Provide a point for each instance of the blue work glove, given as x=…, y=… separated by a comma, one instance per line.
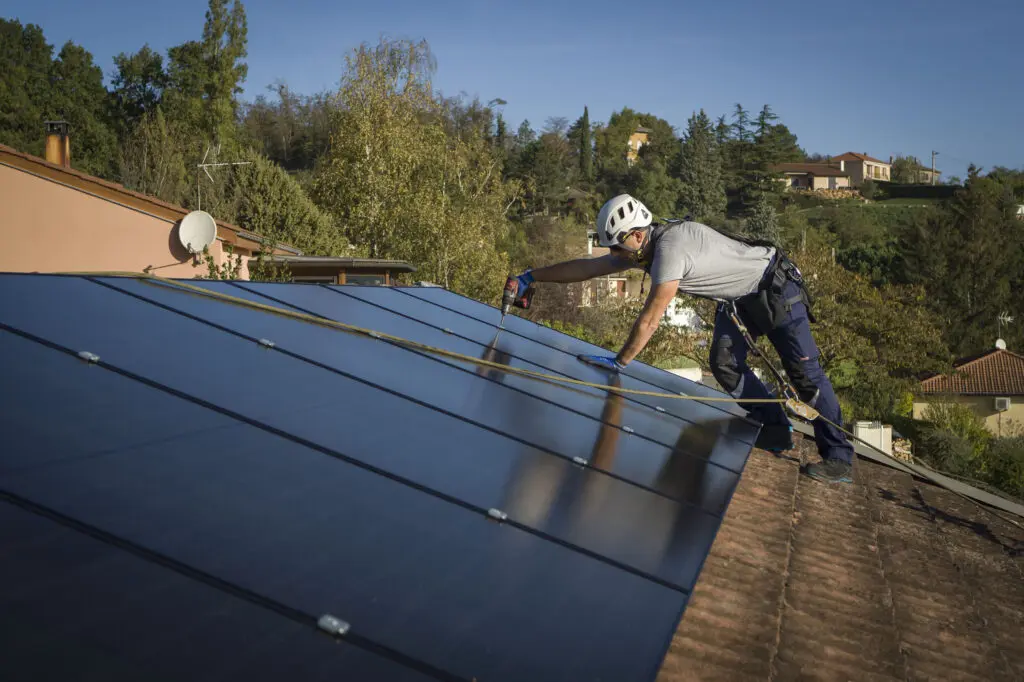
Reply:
x=523, y=281
x=602, y=362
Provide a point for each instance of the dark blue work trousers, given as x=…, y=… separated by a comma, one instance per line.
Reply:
x=791, y=337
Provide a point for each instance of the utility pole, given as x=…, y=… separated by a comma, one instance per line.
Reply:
x=933, y=166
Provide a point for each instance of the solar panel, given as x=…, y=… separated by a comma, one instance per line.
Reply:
x=467, y=523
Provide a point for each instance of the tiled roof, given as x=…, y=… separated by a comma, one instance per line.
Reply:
x=887, y=579
x=820, y=169
x=854, y=156
x=998, y=372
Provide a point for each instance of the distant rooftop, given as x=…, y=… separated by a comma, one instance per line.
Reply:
x=997, y=372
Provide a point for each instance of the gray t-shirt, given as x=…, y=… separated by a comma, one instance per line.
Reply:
x=707, y=263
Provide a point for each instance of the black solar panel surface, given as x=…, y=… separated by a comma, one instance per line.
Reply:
x=343, y=474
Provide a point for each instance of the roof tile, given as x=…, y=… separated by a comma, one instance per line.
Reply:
x=998, y=372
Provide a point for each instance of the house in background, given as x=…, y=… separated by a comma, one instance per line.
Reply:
x=54, y=218
x=862, y=166
x=814, y=176
x=990, y=384
x=638, y=139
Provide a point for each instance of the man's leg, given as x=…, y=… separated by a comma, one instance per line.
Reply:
x=799, y=353
x=729, y=366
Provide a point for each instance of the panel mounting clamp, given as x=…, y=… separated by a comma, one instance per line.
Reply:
x=659, y=408
x=628, y=429
x=579, y=460
x=332, y=625
x=373, y=334
x=497, y=514
x=267, y=343
x=89, y=357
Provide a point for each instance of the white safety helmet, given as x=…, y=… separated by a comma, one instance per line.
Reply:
x=618, y=216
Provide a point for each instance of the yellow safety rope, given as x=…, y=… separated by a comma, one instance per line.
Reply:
x=552, y=378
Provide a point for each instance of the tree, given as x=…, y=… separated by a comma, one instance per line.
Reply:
x=138, y=87
x=77, y=96
x=702, y=194
x=151, y=160
x=270, y=203
x=763, y=222
x=25, y=61
x=586, y=150
x=906, y=170
x=967, y=254
x=401, y=186
x=205, y=76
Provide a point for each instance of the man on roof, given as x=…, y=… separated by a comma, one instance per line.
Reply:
x=769, y=298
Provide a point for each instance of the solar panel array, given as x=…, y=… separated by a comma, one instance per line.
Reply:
x=190, y=488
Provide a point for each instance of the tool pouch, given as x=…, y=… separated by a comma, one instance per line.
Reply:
x=769, y=307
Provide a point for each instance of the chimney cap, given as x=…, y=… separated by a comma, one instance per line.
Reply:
x=60, y=127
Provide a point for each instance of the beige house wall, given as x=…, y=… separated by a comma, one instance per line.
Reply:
x=998, y=423
x=46, y=226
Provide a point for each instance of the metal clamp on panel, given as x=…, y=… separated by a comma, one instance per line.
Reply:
x=579, y=460
x=659, y=408
x=628, y=429
x=89, y=357
x=373, y=334
x=332, y=625
x=267, y=343
x=497, y=514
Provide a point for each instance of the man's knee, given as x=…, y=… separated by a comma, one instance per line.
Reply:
x=806, y=376
x=724, y=366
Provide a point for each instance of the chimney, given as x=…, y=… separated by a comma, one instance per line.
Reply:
x=58, y=143
x=842, y=165
x=890, y=159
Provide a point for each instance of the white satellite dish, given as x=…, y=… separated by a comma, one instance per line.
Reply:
x=197, y=231
x=1000, y=344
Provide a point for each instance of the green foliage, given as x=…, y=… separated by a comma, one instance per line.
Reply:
x=702, y=194
x=228, y=270
x=151, y=159
x=967, y=254
x=35, y=87
x=867, y=188
x=205, y=76
x=401, y=186
x=1004, y=466
x=138, y=88
x=586, y=148
x=763, y=222
x=269, y=202
x=961, y=421
x=25, y=62
x=293, y=131
x=946, y=451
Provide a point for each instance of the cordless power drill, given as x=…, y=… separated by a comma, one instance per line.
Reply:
x=512, y=297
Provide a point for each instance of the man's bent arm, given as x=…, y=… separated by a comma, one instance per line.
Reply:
x=649, y=319
x=581, y=269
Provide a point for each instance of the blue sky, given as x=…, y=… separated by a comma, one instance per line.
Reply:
x=886, y=78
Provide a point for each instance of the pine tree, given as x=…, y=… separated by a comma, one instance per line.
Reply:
x=764, y=222
x=703, y=191
x=586, y=152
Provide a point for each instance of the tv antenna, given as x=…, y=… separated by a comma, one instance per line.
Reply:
x=205, y=167
x=1004, y=320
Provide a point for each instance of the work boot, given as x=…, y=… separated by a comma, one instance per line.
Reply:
x=831, y=470
x=775, y=438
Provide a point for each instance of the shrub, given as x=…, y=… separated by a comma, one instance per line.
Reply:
x=947, y=451
x=867, y=189
x=1004, y=464
x=961, y=421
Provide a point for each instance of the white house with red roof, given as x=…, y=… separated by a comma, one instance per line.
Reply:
x=861, y=166
x=991, y=384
